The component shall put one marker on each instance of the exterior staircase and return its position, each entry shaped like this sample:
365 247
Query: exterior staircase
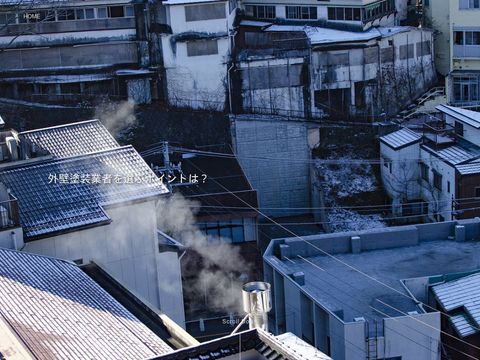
425 104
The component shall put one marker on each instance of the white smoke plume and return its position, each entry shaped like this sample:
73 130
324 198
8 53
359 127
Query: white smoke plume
116 116
222 270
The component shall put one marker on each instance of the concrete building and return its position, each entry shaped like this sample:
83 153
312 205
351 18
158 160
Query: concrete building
79 196
196 52
359 15
351 294
457 48
432 173
75 51
307 71
275 154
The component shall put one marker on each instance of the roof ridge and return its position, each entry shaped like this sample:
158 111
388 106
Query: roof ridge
62 126
71 158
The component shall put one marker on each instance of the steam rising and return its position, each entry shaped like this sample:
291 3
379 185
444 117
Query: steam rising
223 266
117 117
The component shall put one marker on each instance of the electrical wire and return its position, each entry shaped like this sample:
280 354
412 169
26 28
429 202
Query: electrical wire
349 266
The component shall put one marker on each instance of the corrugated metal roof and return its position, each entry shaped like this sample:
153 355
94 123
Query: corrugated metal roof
69 193
467 116
58 312
462 294
72 139
453 154
401 138
469 169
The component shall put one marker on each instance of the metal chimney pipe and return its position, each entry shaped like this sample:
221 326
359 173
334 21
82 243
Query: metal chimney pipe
257 303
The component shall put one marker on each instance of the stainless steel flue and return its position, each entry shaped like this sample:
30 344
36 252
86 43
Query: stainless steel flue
257 304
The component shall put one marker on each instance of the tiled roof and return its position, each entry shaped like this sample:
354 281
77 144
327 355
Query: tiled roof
401 138
49 202
71 139
58 312
469 117
462 294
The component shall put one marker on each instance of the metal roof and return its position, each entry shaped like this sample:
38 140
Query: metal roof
71 139
401 138
464 295
469 117
68 193
58 312
454 154
468 169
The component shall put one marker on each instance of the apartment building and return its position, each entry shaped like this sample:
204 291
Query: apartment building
352 14
433 173
457 48
76 51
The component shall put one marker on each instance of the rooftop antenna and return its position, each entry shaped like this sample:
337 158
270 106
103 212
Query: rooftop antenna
257 304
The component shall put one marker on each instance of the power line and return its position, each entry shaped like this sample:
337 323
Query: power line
349 266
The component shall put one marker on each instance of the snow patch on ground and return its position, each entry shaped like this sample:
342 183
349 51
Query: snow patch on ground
347 220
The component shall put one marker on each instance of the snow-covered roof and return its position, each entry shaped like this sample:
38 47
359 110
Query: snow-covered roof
469 117
401 138
63 194
462 295
58 312
255 23
70 140
319 35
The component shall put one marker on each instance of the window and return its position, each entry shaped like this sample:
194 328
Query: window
101 13
116 11
301 12
458 128
65 14
469 4
230 230
80 14
387 163
129 11
202 47
89 13
465 89
437 180
260 11
205 12
340 13
477 192
424 171
448 187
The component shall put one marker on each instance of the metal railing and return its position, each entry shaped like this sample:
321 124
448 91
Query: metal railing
9 215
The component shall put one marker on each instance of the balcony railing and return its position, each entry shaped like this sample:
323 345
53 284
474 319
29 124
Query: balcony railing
9 215
466 51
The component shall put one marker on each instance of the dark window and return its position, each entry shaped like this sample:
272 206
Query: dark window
80 14
340 13
424 171
301 12
205 12
458 128
458 35
202 47
477 192
437 180
66 14
116 11
448 186
388 164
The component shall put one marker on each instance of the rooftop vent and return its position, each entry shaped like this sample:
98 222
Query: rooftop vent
257 303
